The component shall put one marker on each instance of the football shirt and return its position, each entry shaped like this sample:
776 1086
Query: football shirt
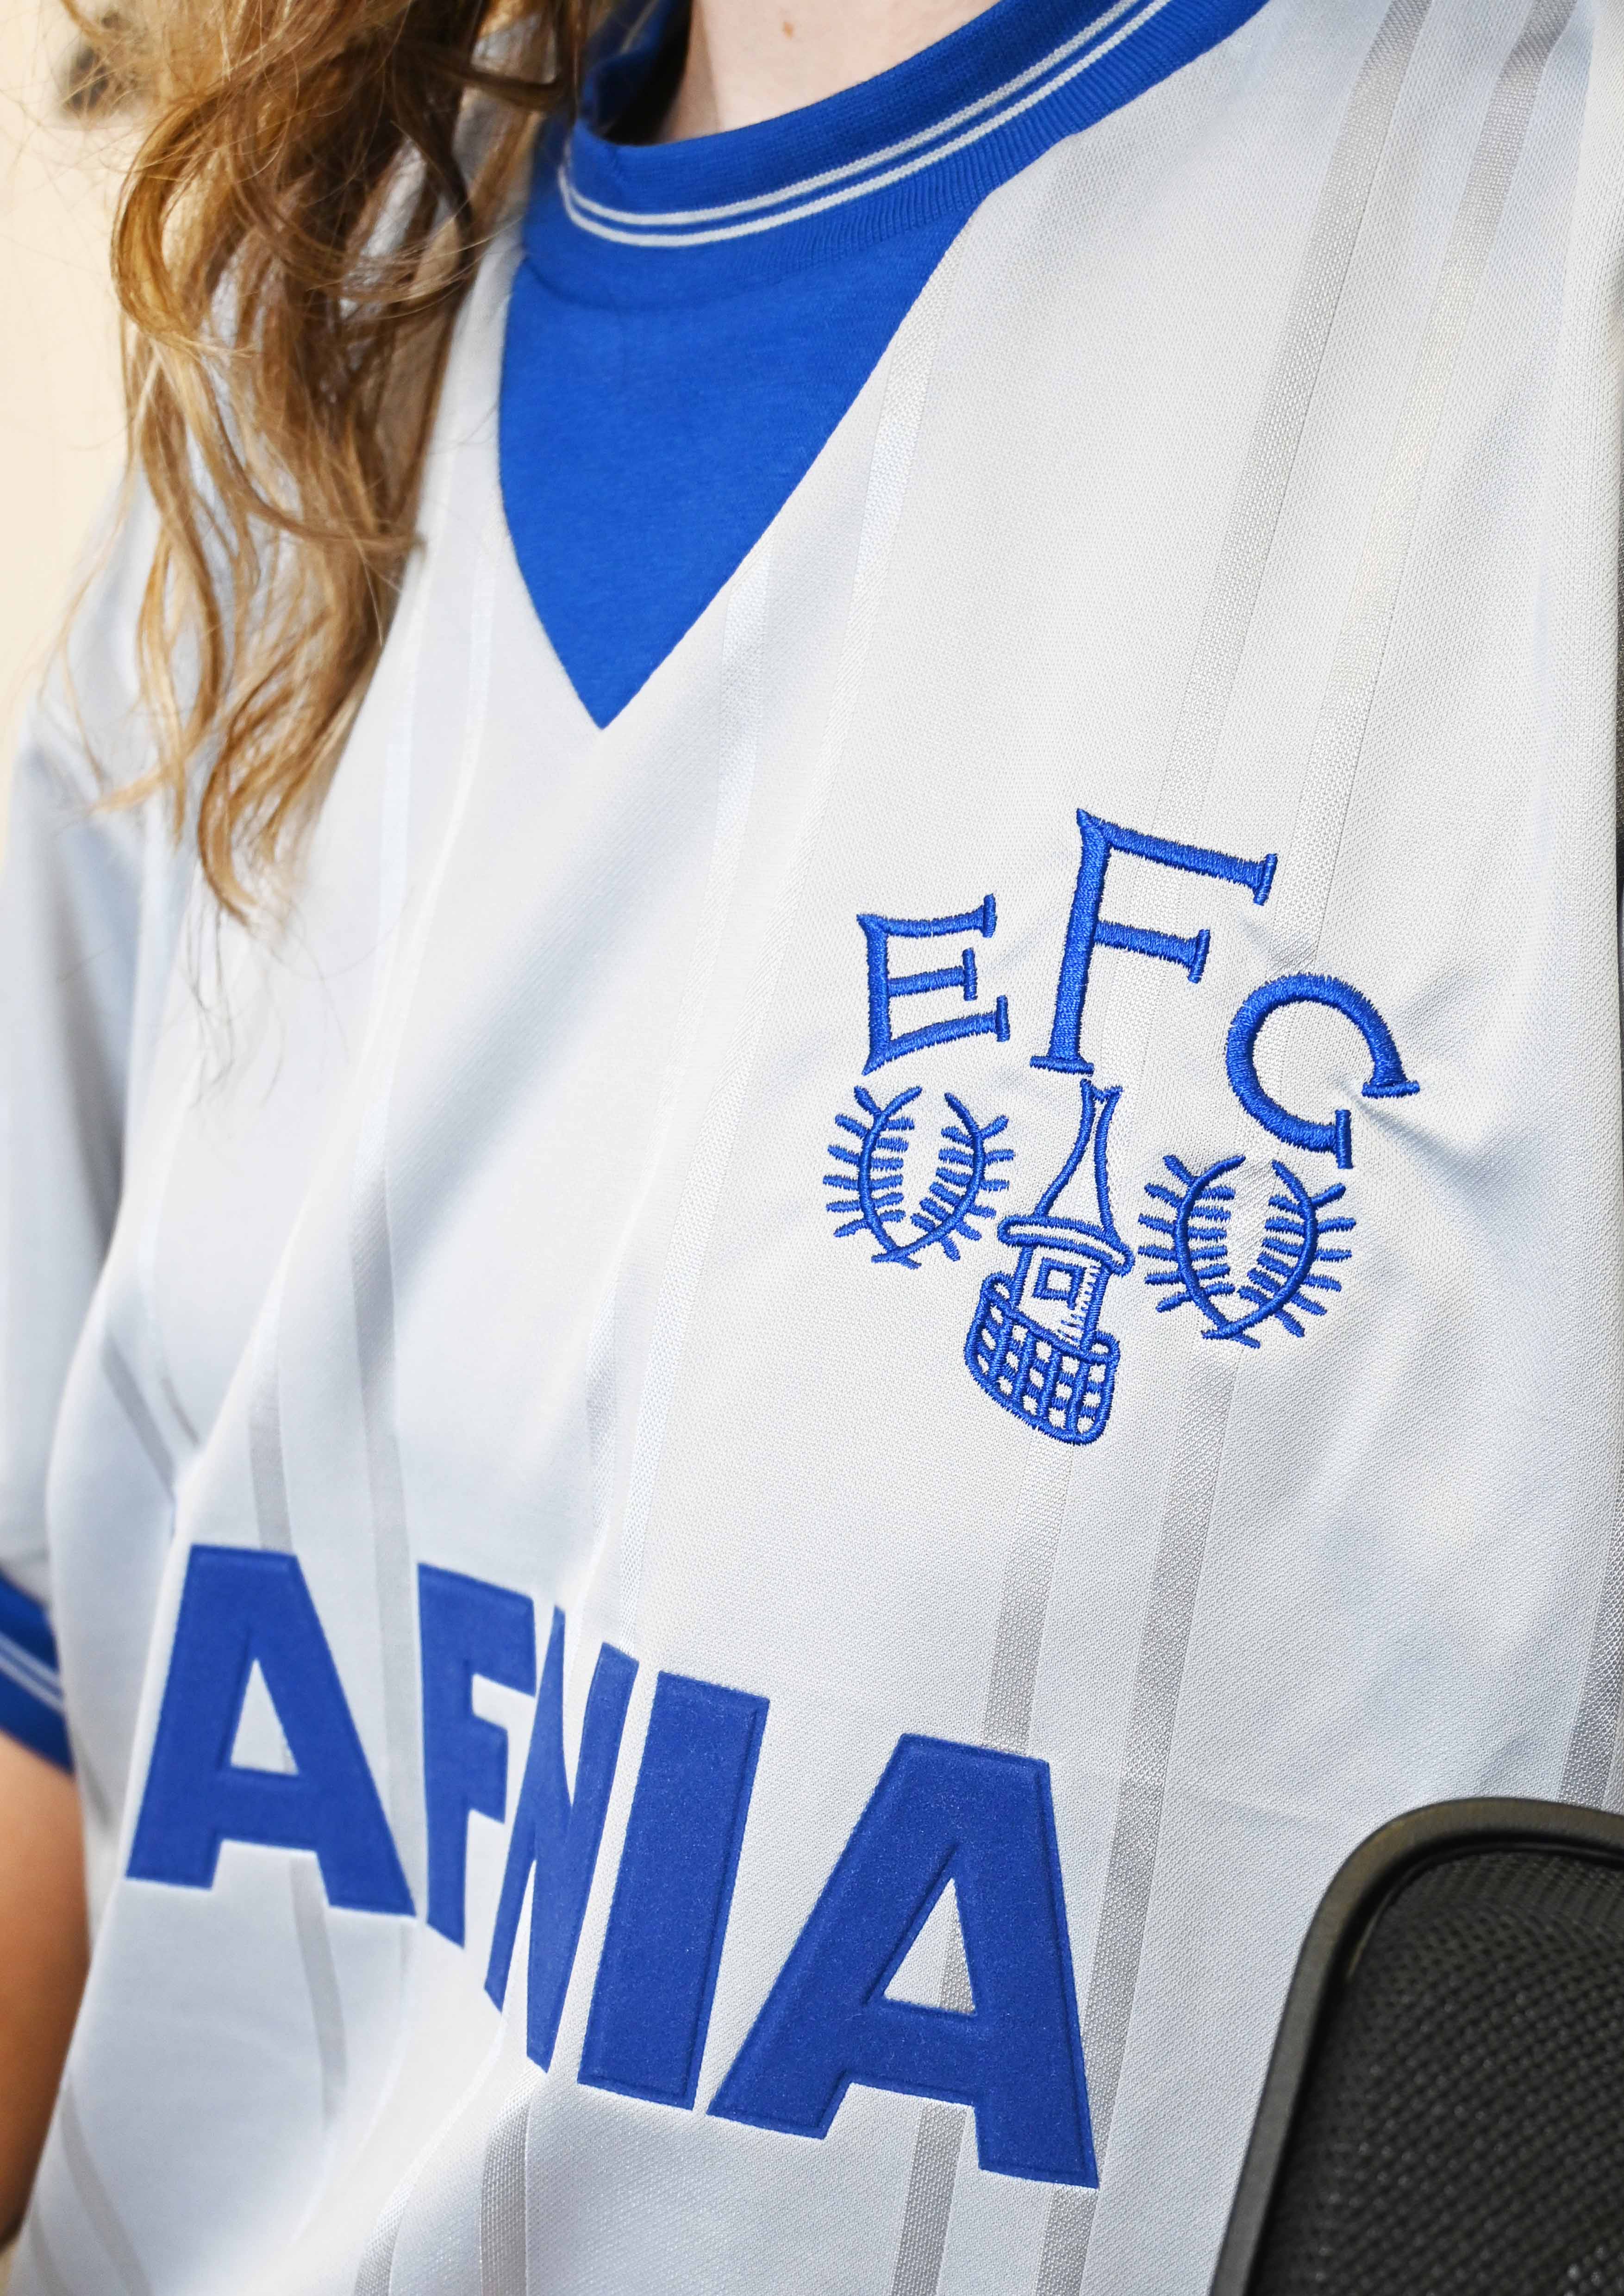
747 1470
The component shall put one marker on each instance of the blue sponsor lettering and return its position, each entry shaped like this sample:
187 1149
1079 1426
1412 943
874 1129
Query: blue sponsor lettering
554 1844
942 1814
984 1821
650 2007
465 1628
241 1608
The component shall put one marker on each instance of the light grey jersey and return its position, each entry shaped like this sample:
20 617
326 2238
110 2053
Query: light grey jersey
750 1465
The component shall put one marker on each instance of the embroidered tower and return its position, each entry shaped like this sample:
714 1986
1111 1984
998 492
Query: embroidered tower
1036 1345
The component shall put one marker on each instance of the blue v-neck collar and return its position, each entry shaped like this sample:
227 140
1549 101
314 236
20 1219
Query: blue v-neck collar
691 320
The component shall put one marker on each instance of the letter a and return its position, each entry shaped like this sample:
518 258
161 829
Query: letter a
241 1608
984 1821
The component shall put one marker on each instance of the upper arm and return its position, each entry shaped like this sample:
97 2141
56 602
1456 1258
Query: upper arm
71 903
44 1949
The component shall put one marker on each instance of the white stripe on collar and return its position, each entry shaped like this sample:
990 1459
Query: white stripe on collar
662 229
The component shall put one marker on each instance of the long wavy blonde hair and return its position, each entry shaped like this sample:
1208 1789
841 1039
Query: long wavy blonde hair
295 235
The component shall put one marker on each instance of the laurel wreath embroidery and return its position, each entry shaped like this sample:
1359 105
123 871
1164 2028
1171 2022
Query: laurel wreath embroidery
869 1192
1195 1255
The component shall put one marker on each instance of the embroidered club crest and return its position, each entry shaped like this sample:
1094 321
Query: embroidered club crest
1194 1257
1036 1345
868 1192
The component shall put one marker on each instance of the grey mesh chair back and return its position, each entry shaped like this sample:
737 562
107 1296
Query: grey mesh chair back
1444 2111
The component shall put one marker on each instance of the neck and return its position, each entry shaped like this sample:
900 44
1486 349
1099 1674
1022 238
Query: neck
750 60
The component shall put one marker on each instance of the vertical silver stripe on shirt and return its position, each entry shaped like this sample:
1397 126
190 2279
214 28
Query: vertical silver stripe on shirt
36 2265
1028 1575
266 1470
930 2201
1023 1608
128 1395
504 2231
370 1266
1339 737
133 1404
377 2266
322 1981
1130 1873
92 2198
1271 457
1198 1448
269 1475
155 1186
738 753
373 1269
267 1467
908 369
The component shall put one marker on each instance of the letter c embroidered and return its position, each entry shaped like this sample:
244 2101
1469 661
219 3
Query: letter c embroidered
1387 1081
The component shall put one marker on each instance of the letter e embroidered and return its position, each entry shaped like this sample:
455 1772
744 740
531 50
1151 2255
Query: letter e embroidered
884 986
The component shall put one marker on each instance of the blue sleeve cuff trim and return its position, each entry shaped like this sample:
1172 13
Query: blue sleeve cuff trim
31 1706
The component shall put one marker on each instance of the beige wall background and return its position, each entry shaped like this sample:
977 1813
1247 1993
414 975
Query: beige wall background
60 425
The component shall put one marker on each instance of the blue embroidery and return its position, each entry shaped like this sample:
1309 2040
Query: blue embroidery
1058 1378
650 2007
240 1607
984 1821
1196 1256
1086 929
1034 1343
871 1188
884 986
552 1850
1057 1281
1388 1080
466 1629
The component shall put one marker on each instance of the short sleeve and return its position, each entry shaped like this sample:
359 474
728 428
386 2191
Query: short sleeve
30 1682
69 930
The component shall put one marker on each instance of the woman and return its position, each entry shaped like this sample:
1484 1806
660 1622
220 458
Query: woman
813 1100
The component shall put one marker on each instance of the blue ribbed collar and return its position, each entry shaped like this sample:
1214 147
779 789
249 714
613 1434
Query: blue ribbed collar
656 223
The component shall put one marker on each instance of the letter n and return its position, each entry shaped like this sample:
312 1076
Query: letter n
241 1608
984 1821
556 1836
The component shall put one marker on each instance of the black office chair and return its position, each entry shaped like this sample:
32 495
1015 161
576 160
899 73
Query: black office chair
1444 2111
